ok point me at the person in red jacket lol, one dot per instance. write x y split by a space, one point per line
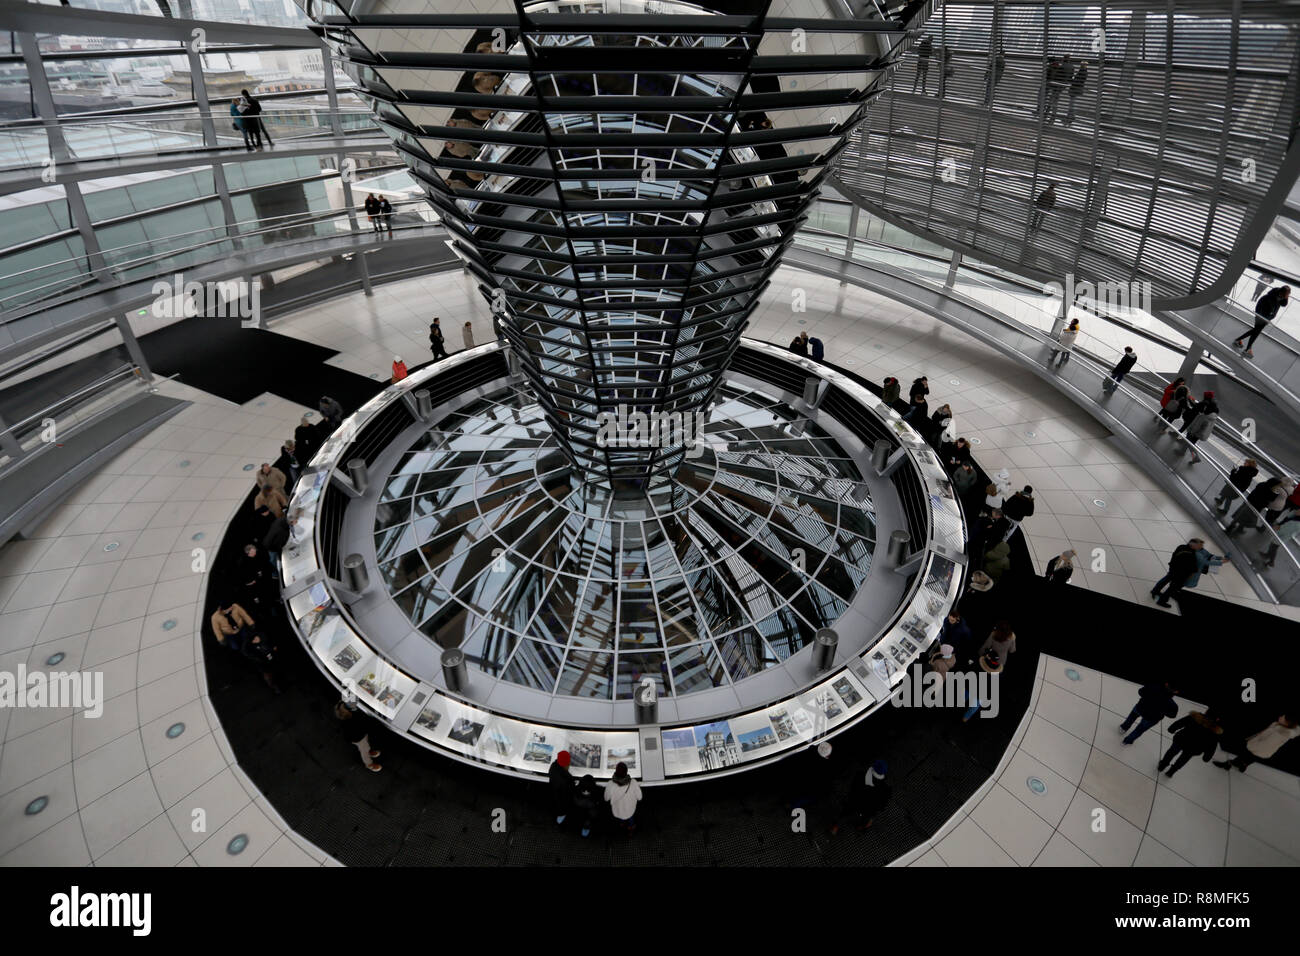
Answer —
1170 389
399 369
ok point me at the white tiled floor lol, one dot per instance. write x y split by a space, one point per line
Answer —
107 580
1069 793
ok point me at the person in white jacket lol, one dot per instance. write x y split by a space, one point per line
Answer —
1064 344
622 793
467 333
1264 744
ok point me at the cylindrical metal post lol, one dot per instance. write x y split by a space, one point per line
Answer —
646 703
512 363
424 403
898 542
880 455
454 671
357 472
810 390
355 575
825 643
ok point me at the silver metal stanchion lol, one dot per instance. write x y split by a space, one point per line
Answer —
810 390
880 455
897 553
825 643
424 404
454 670
355 575
646 703
359 475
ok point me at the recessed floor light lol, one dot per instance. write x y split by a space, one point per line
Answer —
248 468
1031 434
53 659
168 624
112 546
175 730
1098 502
183 464
36 806
954 381
237 844
1071 673
975 441
197 536
1036 785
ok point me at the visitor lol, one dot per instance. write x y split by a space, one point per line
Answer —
1058 80
287 463
236 117
1264 744
305 440
1182 564
331 412
269 475
956 633
946 68
920 386
1078 83
561 786
1176 406
271 499
1264 497
622 793
277 536
372 212
258 588
1201 425
587 800
1196 735
868 795
1205 561
399 369
1238 484
918 415
235 629
1064 344
354 727
1001 639
386 216
940 422
816 349
1170 389
799 344
1193 409
1018 507
924 50
1044 203
1266 309
991 662
890 391
943 659
253 113
436 344
467 334
1155 701
1122 368
999 68
1061 567
997 560
1287 530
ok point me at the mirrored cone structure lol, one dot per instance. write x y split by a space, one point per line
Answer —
620 181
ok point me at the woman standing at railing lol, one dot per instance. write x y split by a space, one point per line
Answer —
240 124
1065 344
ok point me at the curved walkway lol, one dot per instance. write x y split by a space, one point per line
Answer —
120 791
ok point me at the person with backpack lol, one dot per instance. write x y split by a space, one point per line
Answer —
1182 565
1201 425
1175 407
1266 310
889 391
1155 702
252 117
622 793
1170 389
1196 735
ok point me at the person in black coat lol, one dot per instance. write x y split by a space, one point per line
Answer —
918 415
257 584
277 536
1155 701
561 785
868 795
305 441
1060 568
1020 505
587 800
799 345
1239 478
1183 563
1122 368
288 464
1206 406
1196 735
920 386
436 343
355 727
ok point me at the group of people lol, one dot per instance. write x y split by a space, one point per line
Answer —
1061 76
249 616
379 211
808 347
1202 733
582 799
437 345
246 115
1198 416
924 52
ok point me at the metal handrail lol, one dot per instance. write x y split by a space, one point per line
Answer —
81 280
130 368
